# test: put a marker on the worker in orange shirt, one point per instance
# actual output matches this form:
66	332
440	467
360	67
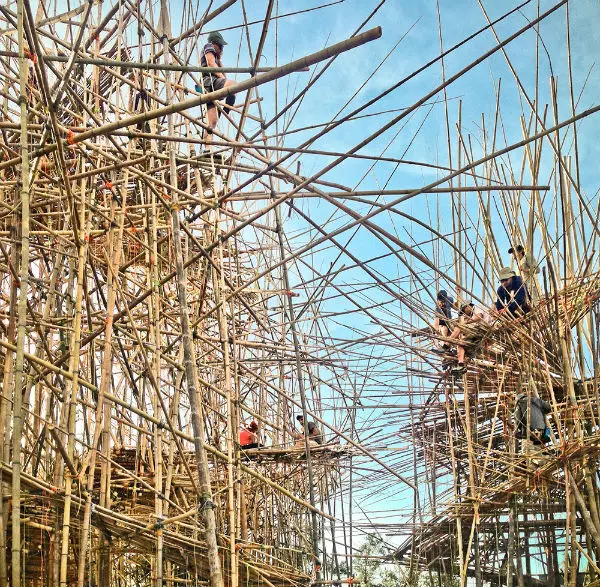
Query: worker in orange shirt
249	436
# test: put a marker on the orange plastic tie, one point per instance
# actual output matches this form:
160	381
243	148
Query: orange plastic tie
108	185
31	56
291	294
70	137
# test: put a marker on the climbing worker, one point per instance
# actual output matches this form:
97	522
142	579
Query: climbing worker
469	314
314	434
528	269
443	315
531	426
249	436
512	293
211	57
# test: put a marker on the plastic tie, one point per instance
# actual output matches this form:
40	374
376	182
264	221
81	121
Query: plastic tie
31	56
205	504
70	137
108	185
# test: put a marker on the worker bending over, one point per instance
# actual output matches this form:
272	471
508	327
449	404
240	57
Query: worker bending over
211	57
531	426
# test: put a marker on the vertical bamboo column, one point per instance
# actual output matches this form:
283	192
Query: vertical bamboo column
73	389
113	259
299	374
205	498
19	374
155	337
219	284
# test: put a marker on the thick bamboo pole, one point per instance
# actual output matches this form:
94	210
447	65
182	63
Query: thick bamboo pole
19	373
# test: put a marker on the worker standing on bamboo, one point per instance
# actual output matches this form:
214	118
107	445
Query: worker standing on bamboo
528	269
211	57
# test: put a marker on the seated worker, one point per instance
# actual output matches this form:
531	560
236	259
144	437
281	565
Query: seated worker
528	269
314	434
532	410
211	57
249	436
469	314
512	293
443	315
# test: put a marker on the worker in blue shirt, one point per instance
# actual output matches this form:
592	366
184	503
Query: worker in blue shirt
512	293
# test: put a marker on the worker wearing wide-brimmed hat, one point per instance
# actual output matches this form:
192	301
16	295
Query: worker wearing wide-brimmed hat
211	57
512	293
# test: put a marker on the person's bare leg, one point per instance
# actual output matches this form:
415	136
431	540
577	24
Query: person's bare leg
460	354
445	331
455	333
211	119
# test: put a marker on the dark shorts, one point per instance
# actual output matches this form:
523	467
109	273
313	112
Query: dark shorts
212	83
444	323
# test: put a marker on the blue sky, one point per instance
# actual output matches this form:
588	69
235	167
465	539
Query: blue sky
420	137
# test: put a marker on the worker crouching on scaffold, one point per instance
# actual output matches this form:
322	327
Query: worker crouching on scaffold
443	315
315	438
469	315
513	297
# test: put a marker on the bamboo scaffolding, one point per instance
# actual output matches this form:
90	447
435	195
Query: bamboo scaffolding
155	298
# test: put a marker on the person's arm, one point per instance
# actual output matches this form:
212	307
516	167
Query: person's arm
211	61
520	298
543	405
501	292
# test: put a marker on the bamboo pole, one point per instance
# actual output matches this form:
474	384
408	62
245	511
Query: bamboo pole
19	373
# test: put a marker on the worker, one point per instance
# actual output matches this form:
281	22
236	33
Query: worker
249	436
528	269
314	434
531	426
512	293
469	314
211	57
443	315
